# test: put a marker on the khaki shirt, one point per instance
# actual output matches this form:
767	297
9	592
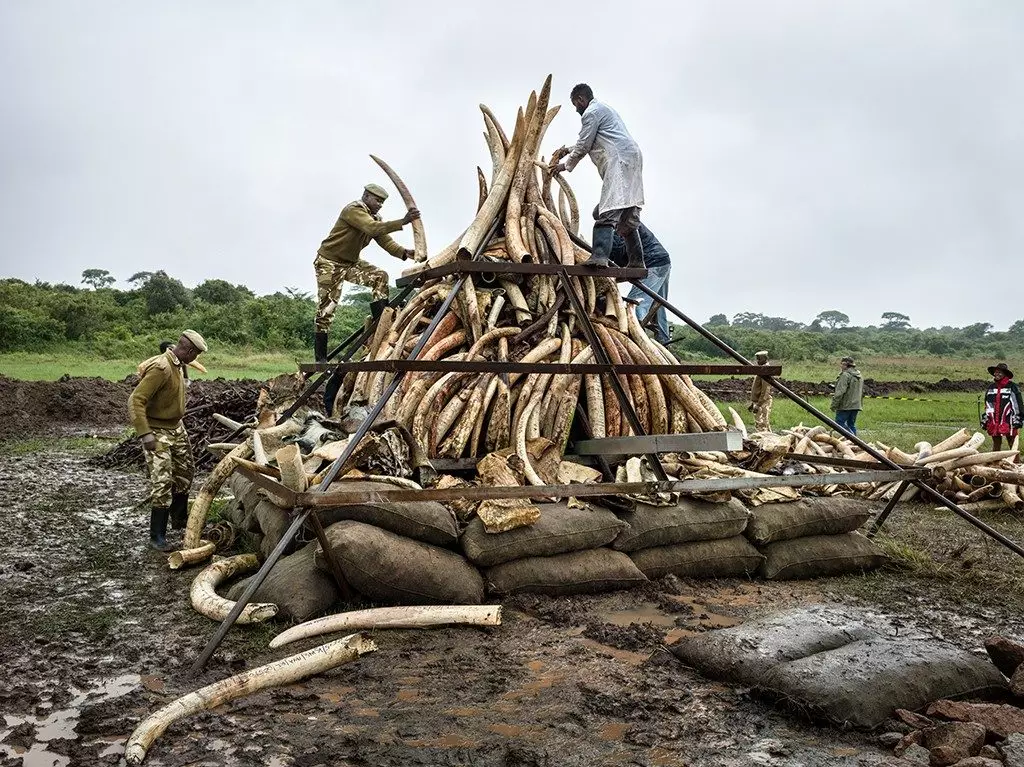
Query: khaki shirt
355	227
159	399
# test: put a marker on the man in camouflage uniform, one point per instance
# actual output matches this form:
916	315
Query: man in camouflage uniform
761	397
156	407
338	261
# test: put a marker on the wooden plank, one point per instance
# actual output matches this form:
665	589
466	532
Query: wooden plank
285	494
333	498
493	366
722	441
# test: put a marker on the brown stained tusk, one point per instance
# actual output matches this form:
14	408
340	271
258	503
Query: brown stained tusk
418	234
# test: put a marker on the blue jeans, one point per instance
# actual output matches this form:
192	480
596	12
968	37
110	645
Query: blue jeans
656	280
847	419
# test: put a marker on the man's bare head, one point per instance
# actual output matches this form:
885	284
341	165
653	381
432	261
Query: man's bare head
581	96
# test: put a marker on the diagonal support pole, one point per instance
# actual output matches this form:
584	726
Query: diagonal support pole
602	357
798	400
884	515
332	473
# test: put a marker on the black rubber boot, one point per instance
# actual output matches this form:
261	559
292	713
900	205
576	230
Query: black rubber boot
158	528
602	246
320	346
377	308
634	251
179	511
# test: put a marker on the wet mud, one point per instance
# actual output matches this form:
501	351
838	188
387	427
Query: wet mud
96	633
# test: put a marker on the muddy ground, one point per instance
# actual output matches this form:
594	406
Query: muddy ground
96	633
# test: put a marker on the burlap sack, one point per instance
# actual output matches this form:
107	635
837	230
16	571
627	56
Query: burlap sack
559	530
578	572
688	520
295	585
862	683
427	521
726	558
272	522
819	556
388	568
810	516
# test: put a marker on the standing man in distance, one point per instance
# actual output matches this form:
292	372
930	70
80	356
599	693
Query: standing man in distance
604	137
338	260
761	397
848	395
1004	411
156	407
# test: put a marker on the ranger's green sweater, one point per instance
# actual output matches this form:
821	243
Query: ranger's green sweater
355	227
159	399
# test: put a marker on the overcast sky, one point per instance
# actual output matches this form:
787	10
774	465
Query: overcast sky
863	156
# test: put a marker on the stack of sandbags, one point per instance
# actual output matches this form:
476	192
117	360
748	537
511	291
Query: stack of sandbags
812	538
261	522
691	539
563	552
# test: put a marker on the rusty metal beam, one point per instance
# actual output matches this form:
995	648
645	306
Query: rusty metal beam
565	368
510	267
847	463
333	498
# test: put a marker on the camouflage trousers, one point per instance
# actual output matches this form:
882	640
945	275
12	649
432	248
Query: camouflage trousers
763	413
170	465
329	277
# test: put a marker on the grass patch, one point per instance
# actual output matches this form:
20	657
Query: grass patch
891	368
225	363
891	421
31	445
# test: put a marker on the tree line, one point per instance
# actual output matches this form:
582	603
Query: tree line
42	316
94	314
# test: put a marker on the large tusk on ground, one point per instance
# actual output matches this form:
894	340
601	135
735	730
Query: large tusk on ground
392	618
419	236
285	671
209	490
208	602
178	559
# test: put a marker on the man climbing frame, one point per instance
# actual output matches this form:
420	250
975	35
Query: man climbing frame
337	261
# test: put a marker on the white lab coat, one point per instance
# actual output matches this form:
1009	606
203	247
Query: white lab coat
617	157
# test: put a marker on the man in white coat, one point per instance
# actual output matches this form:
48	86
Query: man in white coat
604	137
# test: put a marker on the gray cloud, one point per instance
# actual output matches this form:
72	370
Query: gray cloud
799	156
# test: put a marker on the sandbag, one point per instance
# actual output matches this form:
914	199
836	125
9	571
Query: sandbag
427	521
295	585
744	653
578	572
272	522
861	683
810	516
819	556
689	520
560	529
725	558
391	569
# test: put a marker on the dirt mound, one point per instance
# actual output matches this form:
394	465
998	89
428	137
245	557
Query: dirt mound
50	407
92	404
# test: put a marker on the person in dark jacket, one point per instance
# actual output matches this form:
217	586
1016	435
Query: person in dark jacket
1003	407
659	267
848	396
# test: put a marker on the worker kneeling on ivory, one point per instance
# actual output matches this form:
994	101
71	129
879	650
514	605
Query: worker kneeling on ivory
156	407
337	261
617	156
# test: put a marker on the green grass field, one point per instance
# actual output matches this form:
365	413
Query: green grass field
892	369
891	421
222	364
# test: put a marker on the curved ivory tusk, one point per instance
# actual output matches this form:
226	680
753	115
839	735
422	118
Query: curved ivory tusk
208	602
178	559
392	618
419	236
233	424
285	671
206	494
738	422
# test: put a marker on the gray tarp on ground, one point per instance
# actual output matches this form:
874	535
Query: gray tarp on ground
838	663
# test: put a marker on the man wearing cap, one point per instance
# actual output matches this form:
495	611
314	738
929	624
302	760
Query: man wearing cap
1003	408
761	397
156	407
338	260
848	395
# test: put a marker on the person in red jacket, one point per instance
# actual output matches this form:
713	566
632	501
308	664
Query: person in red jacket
1003	408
